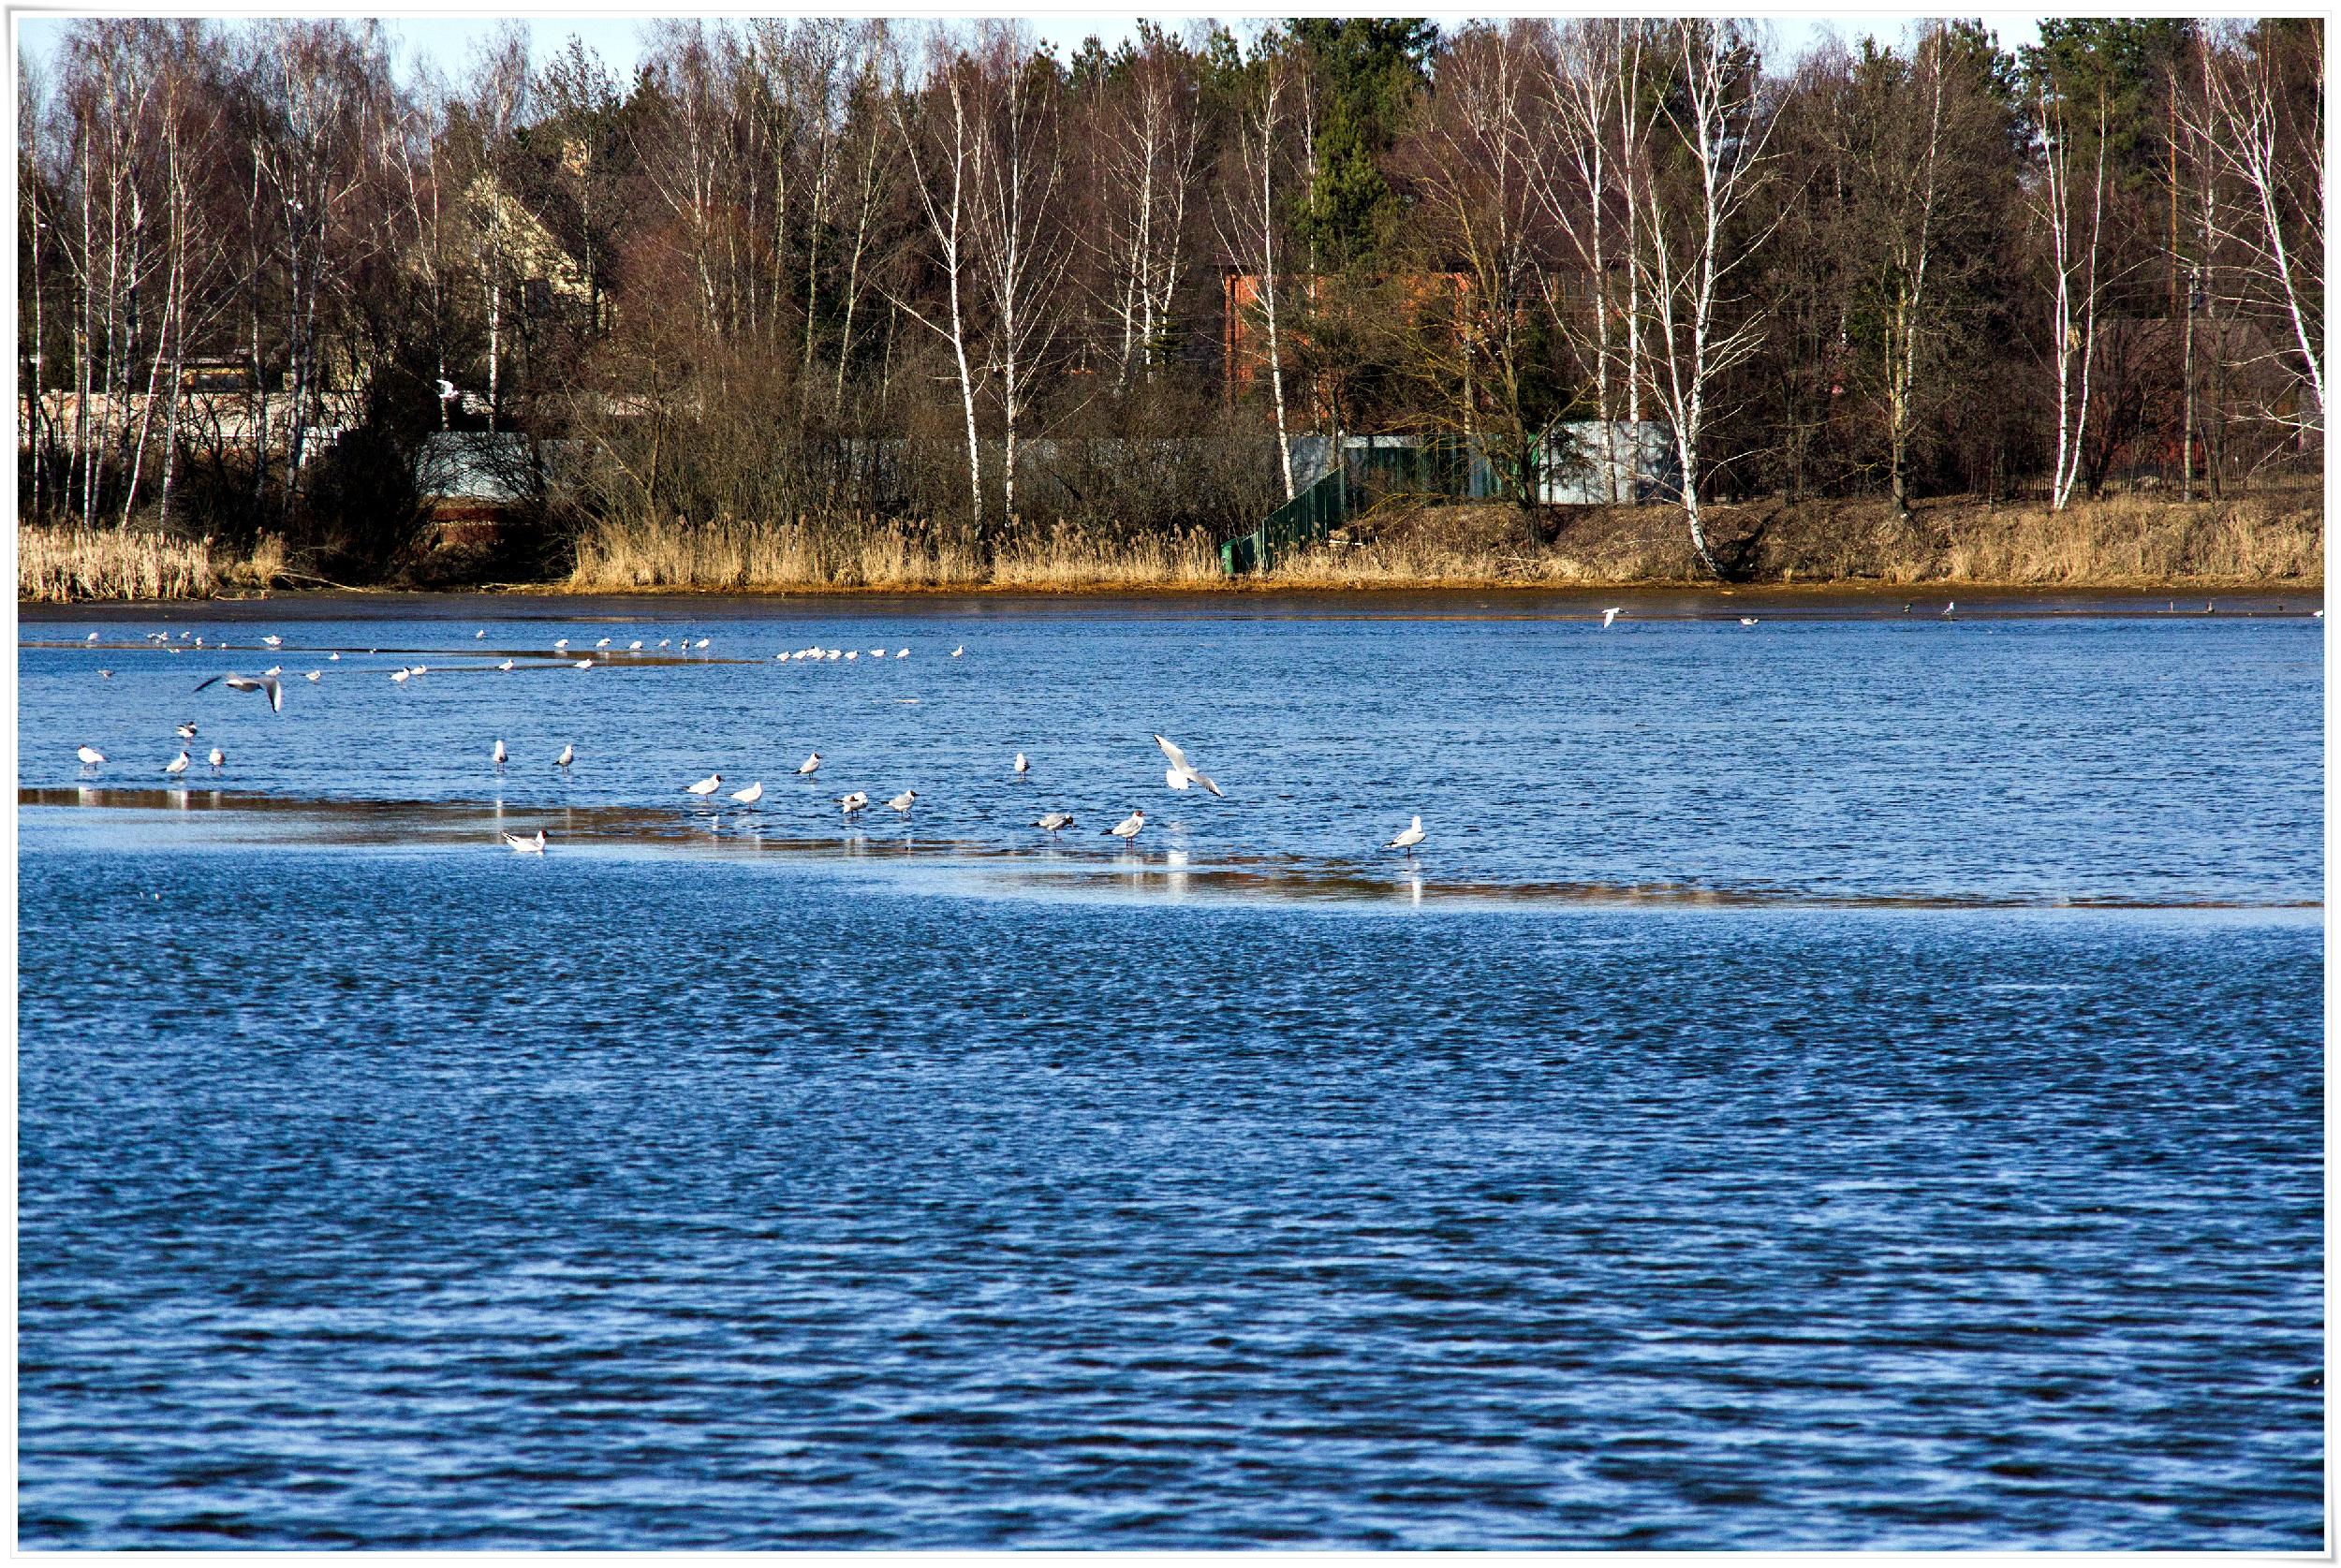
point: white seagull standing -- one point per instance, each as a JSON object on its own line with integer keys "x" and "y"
{"x": 751, "y": 795}
{"x": 904, "y": 802}
{"x": 535, "y": 845}
{"x": 274, "y": 640}
{"x": 400, "y": 674}
{"x": 500, "y": 754}
{"x": 246, "y": 683}
{"x": 91, "y": 756}
{"x": 1127, "y": 828}
{"x": 568, "y": 755}
{"x": 177, "y": 765}
{"x": 315, "y": 676}
{"x": 1021, "y": 766}
{"x": 705, "y": 787}
{"x": 811, "y": 766}
{"x": 218, "y": 758}
{"x": 507, "y": 665}
{"x": 854, "y": 802}
{"x": 1184, "y": 772}
{"x": 1409, "y": 838}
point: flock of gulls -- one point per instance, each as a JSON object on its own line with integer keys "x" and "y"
{"x": 1181, "y": 774}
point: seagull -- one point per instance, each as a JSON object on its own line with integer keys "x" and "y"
{"x": 634, "y": 647}
{"x": 332, "y": 658}
{"x": 584, "y": 664}
{"x": 853, "y": 654}
{"x": 809, "y": 767}
{"x": 1183, "y": 773}
{"x": 500, "y": 754}
{"x": 273, "y": 669}
{"x": 903, "y": 802}
{"x": 274, "y": 640}
{"x": 505, "y": 664}
{"x": 663, "y": 641}
{"x": 246, "y": 683}
{"x": 751, "y": 795}
{"x": 218, "y": 758}
{"x": 1747, "y": 621}
{"x": 568, "y": 755}
{"x": 560, "y": 645}
{"x": 853, "y": 802}
{"x": 477, "y": 635}
{"x": 92, "y": 637}
{"x": 315, "y": 676}
{"x": 1409, "y": 838}
{"x": 91, "y": 756}
{"x": 701, "y": 643}
{"x": 957, "y": 652}
{"x": 400, "y": 674}
{"x": 1610, "y": 614}
{"x": 1127, "y": 828}
{"x": 705, "y": 787}
{"x": 1053, "y": 822}
{"x": 902, "y": 652}
{"x": 177, "y": 765}
{"x": 186, "y": 731}
{"x": 526, "y": 846}
{"x": 1021, "y": 766}
{"x": 108, "y": 674}
{"x": 1949, "y": 607}
{"x": 603, "y": 643}
{"x": 446, "y": 390}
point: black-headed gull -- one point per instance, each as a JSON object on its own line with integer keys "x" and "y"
{"x": 1127, "y": 828}
{"x": 751, "y": 795}
{"x": 498, "y": 755}
{"x": 1022, "y": 766}
{"x": 1408, "y": 839}
{"x": 91, "y": 756}
{"x": 177, "y": 765}
{"x": 218, "y": 758}
{"x": 705, "y": 787}
{"x": 904, "y": 802}
{"x": 853, "y": 802}
{"x": 533, "y": 846}
{"x": 568, "y": 755}
{"x": 1183, "y": 773}
{"x": 1053, "y": 822}
{"x": 274, "y": 640}
{"x": 185, "y": 731}
{"x": 246, "y": 683}
{"x": 810, "y": 765}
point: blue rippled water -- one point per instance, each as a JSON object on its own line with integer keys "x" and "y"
{"x": 378, "y": 1187}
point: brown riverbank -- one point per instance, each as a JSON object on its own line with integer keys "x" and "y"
{"x": 2272, "y": 541}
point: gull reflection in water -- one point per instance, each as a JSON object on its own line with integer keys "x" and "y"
{"x": 1175, "y": 879}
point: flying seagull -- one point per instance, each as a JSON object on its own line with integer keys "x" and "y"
{"x": 1184, "y": 772}
{"x": 1610, "y": 614}
{"x": 246, "y": 683}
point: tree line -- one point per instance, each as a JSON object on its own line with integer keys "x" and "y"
{"x": 836, "y": 268}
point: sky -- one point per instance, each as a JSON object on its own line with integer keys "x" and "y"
{"x": 446, "y": 40}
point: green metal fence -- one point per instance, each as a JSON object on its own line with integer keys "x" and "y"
{"x": 1304, "y": 519}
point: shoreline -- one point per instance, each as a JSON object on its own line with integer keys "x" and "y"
{"x": 1428, "y": 600}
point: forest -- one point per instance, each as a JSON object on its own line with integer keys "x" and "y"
{"x": 907, "y": 279}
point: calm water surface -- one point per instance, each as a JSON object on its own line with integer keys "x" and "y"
{"x": 1721, "y": 1136}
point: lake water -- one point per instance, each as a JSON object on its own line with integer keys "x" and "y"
{"x": 1853, "y": 1080}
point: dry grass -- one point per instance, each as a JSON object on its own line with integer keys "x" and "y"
{"x": 2126, "y": 541}
{"x": 614, "y": 557}
{"x": 60, "y": 565}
